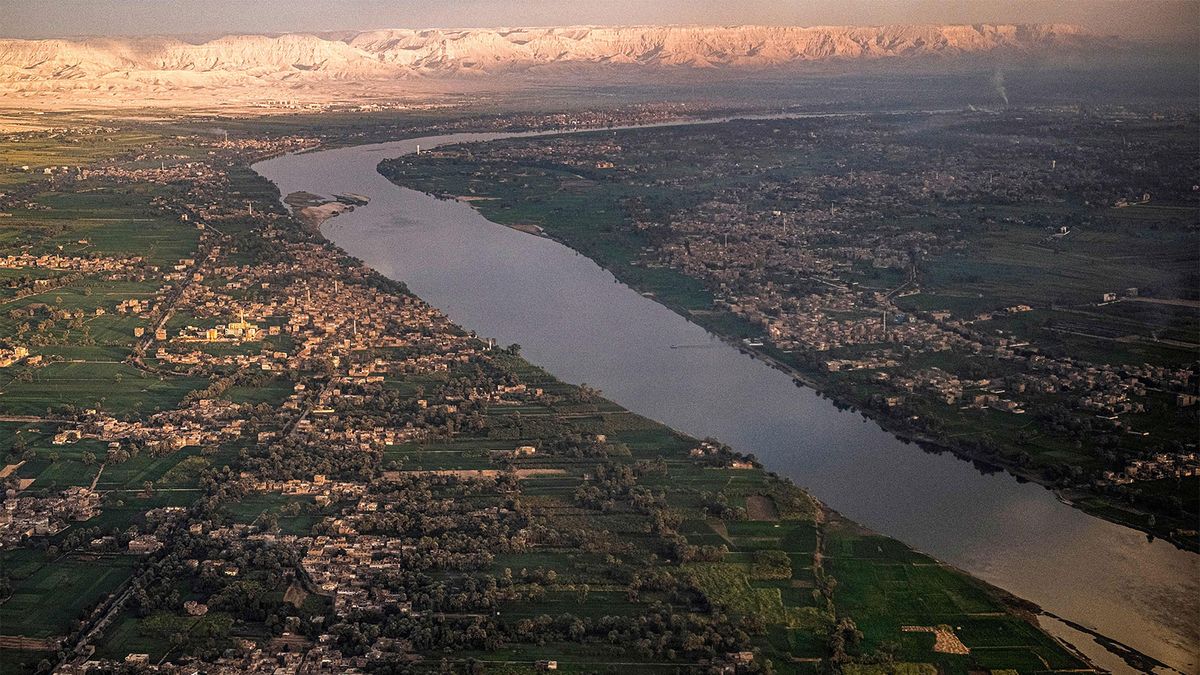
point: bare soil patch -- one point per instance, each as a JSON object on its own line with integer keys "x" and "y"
{"x": 761, "y": 507}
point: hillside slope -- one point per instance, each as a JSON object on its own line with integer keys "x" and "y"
{"x": 290, "y": 65}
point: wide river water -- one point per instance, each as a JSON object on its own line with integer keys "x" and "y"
{"x": 573, "y": 318}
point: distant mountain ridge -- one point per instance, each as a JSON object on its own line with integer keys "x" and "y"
{"x": 295, "y": 60}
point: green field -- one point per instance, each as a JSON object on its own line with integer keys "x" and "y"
{"x": 75, "y": 584}
{"x": 885, "y": 586}
{"x": 109, "y": 386}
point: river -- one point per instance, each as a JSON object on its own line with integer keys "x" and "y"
{"x": 576, "y": 320}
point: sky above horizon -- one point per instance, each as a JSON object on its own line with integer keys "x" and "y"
{"x": 1142, "y": 19}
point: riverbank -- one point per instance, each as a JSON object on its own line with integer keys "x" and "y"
{"x": 1093, "y": 503}
{"x": 1127, "y": 655}
{"x": 663, "y": 287}
{"x": 1028, "y": 610}
{"x": 717, "y": 540}
{"x": 569, "y": 315}
{"x": 1088, "y": 502}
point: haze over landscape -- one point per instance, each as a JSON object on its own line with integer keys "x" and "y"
{"x": 853, "y": 337}
{"x": 1152, "y": 19}
{"x": 279, "y": 66}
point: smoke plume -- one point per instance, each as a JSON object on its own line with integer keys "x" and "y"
{"x": 998, "y": 85}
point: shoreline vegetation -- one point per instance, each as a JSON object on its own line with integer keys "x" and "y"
{"x": 496, "y": 205}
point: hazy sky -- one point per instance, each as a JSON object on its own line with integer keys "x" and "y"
{"x": 49, "y": 18}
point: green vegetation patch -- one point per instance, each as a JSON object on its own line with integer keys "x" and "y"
{"x": 52, "y": 597}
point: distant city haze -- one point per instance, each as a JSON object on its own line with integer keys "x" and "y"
{"x": 1173, "y": 20}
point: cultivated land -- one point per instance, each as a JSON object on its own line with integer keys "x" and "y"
{"x": 1019, "y": 287}
{"x": 226, "y": 444}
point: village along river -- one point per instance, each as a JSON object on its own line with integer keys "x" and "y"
{"x": 573, "y": 318}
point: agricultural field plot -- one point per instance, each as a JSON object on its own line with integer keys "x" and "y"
{"x": 169, "y": 470}
{"x": 704, "y": 533}
{"x": 127, "y": 637}
{"x": 272, "y": 393}
{"x": 731, "y": 587}
{"x": 23, "y": 435}
{"x": 43, "y": 149}
{"x": 1065, "y": 282}
{"x": 441, "y": 460}
{"x": 47, "y": 600}
{"x": 886, "y": 586}
{"x": 98, "y": 353}
{"x": 58, "y": 474}
{"x": 55, "y": 467}
{"x": 591, "y": 603}
{"x": 88, "y": 294}
{"x": 109, "y": 386}
{"x": 101, "y": 223}
{"x": 771, "y": 590}
{"x": 128, "y": 506}
{"x": 293, "y": 514}
{"x": 571, "y": 657}
{"x": 653, "y": 442}
{"x": 1109, "y": 335}
{"x": 1016, "y": 265}
{"x": 163, "y": 632}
